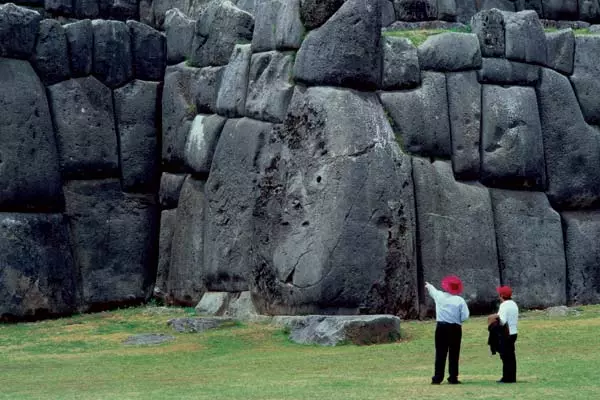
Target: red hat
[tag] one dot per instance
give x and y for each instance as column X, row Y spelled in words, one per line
column 504, row 291
column 452, row 284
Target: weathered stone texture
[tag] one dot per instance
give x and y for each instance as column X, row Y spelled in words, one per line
column 80, row 39
column 167, row 228
column 170, row 188
column 179, row 31
column 112, row 53
column 51, row 59
column 278, row 26
column 560, row 50
column 499, row 71
column 586, row 76
column 202, row 141
column 400, row 64
column 450, row 51
column 231, row 99
column 18, row 30
column 149, row 52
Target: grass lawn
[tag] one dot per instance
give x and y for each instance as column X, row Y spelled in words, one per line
column 83, row 358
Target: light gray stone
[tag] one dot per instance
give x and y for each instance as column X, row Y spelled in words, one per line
column 29, row 166
column 420, row 116
column 489, row 27
column 167, row 228
column 82, row 110
column 400, row 64
column 213, row 303
column 148, row 339
column 179, row 31
column 411, row 10
column 530, row 248
column 202, row 141
column 170, row 188
column 269, row 86
column 237, row 305
column 185, row 284
column 560, row 50
column 502, row 5
column 464, row 106
column 456, row 234
column 524, row 37
column 388, row 13
column 346, row 50
column 80, row 38
column 535, row 5
column 149, row 52
column 51, row 58
column 231, row 99
column 586, row 76
column 571, row 147
column 278, row 26
column 112, row 53
column 135, row 113
column 334, row 219
column 447, row 10
column 499, row 71
column 336, row 330
column 450, row 51
column 512, row 151
column 19, row 27
column 161, row 7
column 205, row 88
column 198, row 325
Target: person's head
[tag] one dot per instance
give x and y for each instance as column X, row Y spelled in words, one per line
column 505, row 292
column 452, row 284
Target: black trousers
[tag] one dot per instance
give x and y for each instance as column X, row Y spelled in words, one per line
column 447, row 343
column 509, row 359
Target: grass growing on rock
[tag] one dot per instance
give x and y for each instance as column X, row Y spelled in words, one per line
column 419, row 36
column 83, row 358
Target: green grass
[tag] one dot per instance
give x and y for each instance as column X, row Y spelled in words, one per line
column 418, row 36
column 580, row 31
column 83, row 358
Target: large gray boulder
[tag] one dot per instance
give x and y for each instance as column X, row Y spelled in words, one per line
column 269, row 87
column 38, row 277
column 29, row 177
column 450, row 51
column 179, row 31
column 231, row 192
column 167, row 228
column 560, row 9
column 112, row 52
column 420, row 116
column 160, row 9
column 237, row 305
column 582, row 249
column 334, row 220
column 185, row 283
column 512, row 150
column 18, row 31
column 114, row 239
column 58, row 7
column 411, row 10
column 121, row 10
column 464, row 108
column 535, row 5
column 206, row 86
column 456, row 234
column 586, row 76
column 571, row 147
column 51, row 58
column 447, row 10
column 315, row 13
column 525, row 39
column 530, row 247
column 231, row 99
column 589, row 10
column 400, row 64
column 80, row 39
column 560, row 50
column 499, row 71
column 198, row 325
column 86, row 9
column 135, row 114
column 82, row 110
column 218, row 30
column 202, row 141
column 170, row 188
column 278, row 26
column 178, row 111
column 465, row 9
column 489, row 27
column 346, row 50
column 336, row 330
column 149, row 52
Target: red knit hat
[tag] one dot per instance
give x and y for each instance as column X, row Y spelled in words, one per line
column 452, row 284
column 504, row 291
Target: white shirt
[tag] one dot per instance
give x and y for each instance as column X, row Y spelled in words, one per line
column 509, row 314
column 448, row 308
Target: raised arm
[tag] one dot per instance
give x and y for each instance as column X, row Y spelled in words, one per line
column 433, row 292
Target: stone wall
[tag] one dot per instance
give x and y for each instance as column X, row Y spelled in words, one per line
column 304, row 155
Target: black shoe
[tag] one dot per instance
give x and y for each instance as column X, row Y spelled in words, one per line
column 435, row 382
column 454, row 382
column 503, row 381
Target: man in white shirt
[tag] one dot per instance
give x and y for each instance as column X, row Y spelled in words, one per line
column 508, row 315
column 451, row 311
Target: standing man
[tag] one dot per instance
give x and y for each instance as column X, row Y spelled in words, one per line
column 451, row 311
column 508, row 315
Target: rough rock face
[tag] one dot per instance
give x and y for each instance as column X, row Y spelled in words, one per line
column 411, row 10
column 179, row 31
column 450, row 51
column 560, row 9
column 167, row 228
column 400, row 64
column 205, row 88
column 530, row 247
column 112, row 52
column 114, row 242
column 315, row 13
column 489, row 28
column 18, row 30
column 197, row 325
column 499, row 71
column 185, row 284
column 37, row 278
column 82, row 110
column 571, row 147
column 51, row 59
column 170, row 188
column 278, row 26
column 333, row 330
column 149, row 52
column 29, row 174
column 334, row 183
column 560, row 47
column 236, row 305
column 525, row 39
column 202, row 141
column 135, row 112
column 346, row 50
column 456, row 233
column 231, row 99
column 582, row 230
column 80, row 38
column 420, row 116
column 512, row 153
column 585, row 76
column 230, row 194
